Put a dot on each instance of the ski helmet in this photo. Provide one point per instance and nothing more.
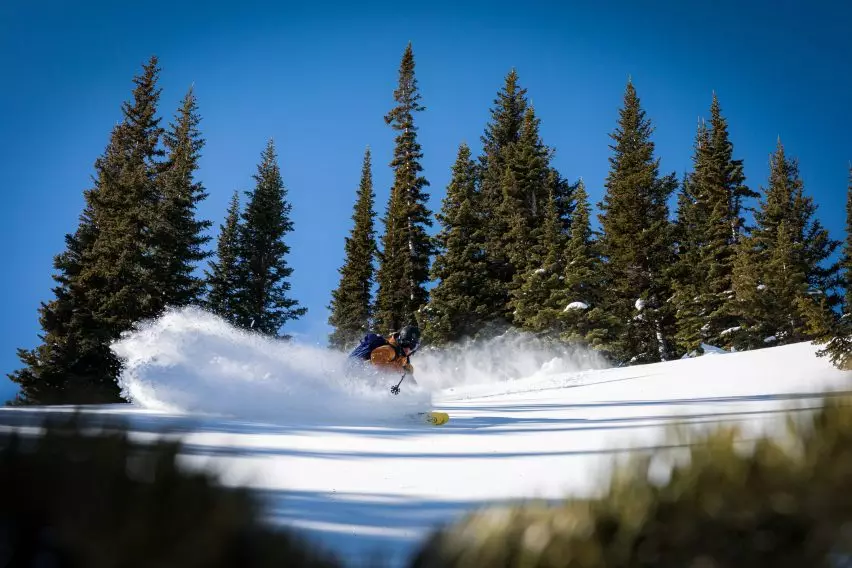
(409, 336)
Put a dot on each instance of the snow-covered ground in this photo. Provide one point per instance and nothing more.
(338, 456)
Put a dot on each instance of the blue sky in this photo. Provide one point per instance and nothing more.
(318, 77)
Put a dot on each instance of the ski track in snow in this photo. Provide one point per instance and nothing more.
(340, 460)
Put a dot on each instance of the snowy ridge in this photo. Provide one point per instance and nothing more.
(339, 459)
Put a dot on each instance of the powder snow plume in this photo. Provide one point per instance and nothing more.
(510, 356)
(191, 361)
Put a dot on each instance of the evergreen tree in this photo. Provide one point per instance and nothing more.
(262, 302)
(711, 226)
(457, 304)
(516, 183)
(836, 332)
(502, 133)
(351, 306)
(69, 353)
(584, 317)
(104, 277)
(637, 240)
(406, 245)
(687, 269)
(178, 235)
(530, 164)
(781, 265)
(538, 297)
(564, 194)
(222, 278)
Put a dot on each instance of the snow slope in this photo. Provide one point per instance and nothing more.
(339, 458)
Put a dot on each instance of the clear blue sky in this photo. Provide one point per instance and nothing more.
(318, 77)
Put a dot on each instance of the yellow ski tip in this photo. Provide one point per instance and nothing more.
(437, 418)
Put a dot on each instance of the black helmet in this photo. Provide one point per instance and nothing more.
(409, 336)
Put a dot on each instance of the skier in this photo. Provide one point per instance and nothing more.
(391, 354)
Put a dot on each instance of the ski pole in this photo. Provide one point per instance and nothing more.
(395, 388)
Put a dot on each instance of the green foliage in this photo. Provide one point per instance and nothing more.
(516, 187)
(458, 302)
(502, 134)
(782, 263)
(106, 278)
(731, 502)
(178, 236)
(97, 500)
(710, 225)
(261, 292)
(583, 282)
(636, 241)
(824, 325)
(406, 245)
(222, 276)
(538, 297)
(351, 303)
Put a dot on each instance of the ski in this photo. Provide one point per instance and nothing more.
(435, 418)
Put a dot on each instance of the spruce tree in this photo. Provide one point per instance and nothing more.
(539, 296)
(222, 278)
(637, 240)
(530, 164)
(781, 266)
(687, 269)
(406, 245)
(516, 182)
(105, 276)
(827, 328)
(710, 229)
(585, 318)
(457, 303)
(262, 301)
(69, 353)
(351, 303)
(178, 235)
(501, 135)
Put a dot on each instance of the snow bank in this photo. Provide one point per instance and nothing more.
(191, 361)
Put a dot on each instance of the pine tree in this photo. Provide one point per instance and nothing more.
(585, 318)
(781, 264)
(178, 235)
(457, 303)
(637, 240)
(262, 302)
(539, 296)
(710, 229)
(104, 277)
(222, 278)
(687, 270)
(512, 207)
(502, 134)
(530, 164)
(564, 194)
(406, 245)
(69, 353)
(827, 328)
(351, 304)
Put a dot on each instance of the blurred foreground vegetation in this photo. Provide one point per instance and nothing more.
(779, 502)
(79, 496)
(83, 496)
